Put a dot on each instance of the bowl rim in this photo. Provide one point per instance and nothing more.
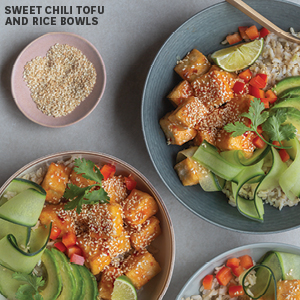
(148, 143)
(85, 41)
(146, 182)
(228, 253)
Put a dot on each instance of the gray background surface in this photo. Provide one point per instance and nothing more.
(128, 36)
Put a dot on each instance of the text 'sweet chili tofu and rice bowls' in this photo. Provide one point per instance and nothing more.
(223, 129)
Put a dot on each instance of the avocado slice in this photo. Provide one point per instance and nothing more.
(290, 93)
(91, 290)
(80, 284)
(53, 285)
(286, 83)
(288, 102)
(68, 281)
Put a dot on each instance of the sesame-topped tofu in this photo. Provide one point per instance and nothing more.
(205, 134)
(180, 93)
(193, 65)
(140, 267)
(118, 245)
(150, 230)
(176, 134)
(55, 182)
(214, 88)
(225, 141)
(79, 180)
(288, 289)
(189, 171)
(189, 113)
(138, 207)
(116, 188)
(106, 284)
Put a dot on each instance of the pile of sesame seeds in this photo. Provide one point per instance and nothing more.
(60, 81)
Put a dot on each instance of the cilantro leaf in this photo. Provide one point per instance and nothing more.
(97, 196)
(237, 128)
(88, 170)
(29, 290)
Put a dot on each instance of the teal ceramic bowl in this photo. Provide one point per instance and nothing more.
(205, 31)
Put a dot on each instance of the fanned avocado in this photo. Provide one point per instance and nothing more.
(90, 291)
(80, 284)
(293, 92)
(285, 84)
(53, 285)
(288, 102)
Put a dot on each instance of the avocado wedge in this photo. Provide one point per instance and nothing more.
(91, 291)
(285, 84)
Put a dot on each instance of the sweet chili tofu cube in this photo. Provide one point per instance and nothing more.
(79, 180)
(193, 65)
(189, 171)
(205, 134)
(150, 230)
(140, 267)
(189, 113)
(55, 182)
(138, 207)
(214, 88)
(116, 188)
(180, 93)
(288, 289)
(118, 245)
(59, 218)
(106, 283)
(176, 134)
(224, 141)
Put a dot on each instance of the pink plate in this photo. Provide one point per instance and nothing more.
(39, 47)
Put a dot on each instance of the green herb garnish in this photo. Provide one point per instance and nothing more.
(272, 125)
(29, 290)
(88, 195)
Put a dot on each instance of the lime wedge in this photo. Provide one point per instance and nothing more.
(123, 289)
(238, 57)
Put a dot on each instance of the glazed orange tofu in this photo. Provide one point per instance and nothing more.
(225, 141)
(50, 213)
(55, 182)
(79, 180)
(116, 188)
(205, 134)
(138, 207)
(189, 171)
(193, 65)
(176, 134)
(150, 230)
(189, 113)
(140, 267)
(180, 93)
(106, 284)
(118, 245)
(288, 289)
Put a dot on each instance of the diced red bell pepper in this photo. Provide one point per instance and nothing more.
(108, 171)
(60, 246)
(69, 239)
(246, 261)
(246, 75)
(276, 144)
(207, 282)
(232, 262)
(266, 102)
(74, 249)
(130, 182)
(77, 259)
(239, 87)
(258, 82)
(237, 271)
(271, 95)
(235, 291)
(258, 143)
(233, 38)
(252, 32)
(264, 77)
(264, 32)
(224, 276)
(256, 92)
(55, 232)
(242, 31)
(284, 155)
(259, 129)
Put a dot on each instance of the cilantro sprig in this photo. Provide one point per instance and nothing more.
(29, 290)
(272, 124)
(87, 195)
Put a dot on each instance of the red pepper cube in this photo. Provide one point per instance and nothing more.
(235, 291)
(284, 155)
(237, 271)
(130, 182)
(258, 143)
(233, 262)
(108, 171)
(264, 77)
(259, 129)
(252, 32)
(69, 239)
(207, 282)
(224, 276)
(239, 87)
(246, 261)
(74, 249)
(276, 144)
(77, 259)
(242, 31)
(55, 232)
(264, 32)
(60, 246)
(266, 102)
(233, 38)
(258, 82)
(256, 92)
(246, 75)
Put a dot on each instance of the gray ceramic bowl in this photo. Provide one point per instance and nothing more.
(256, 251)
(205, 31)
(164, 245)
